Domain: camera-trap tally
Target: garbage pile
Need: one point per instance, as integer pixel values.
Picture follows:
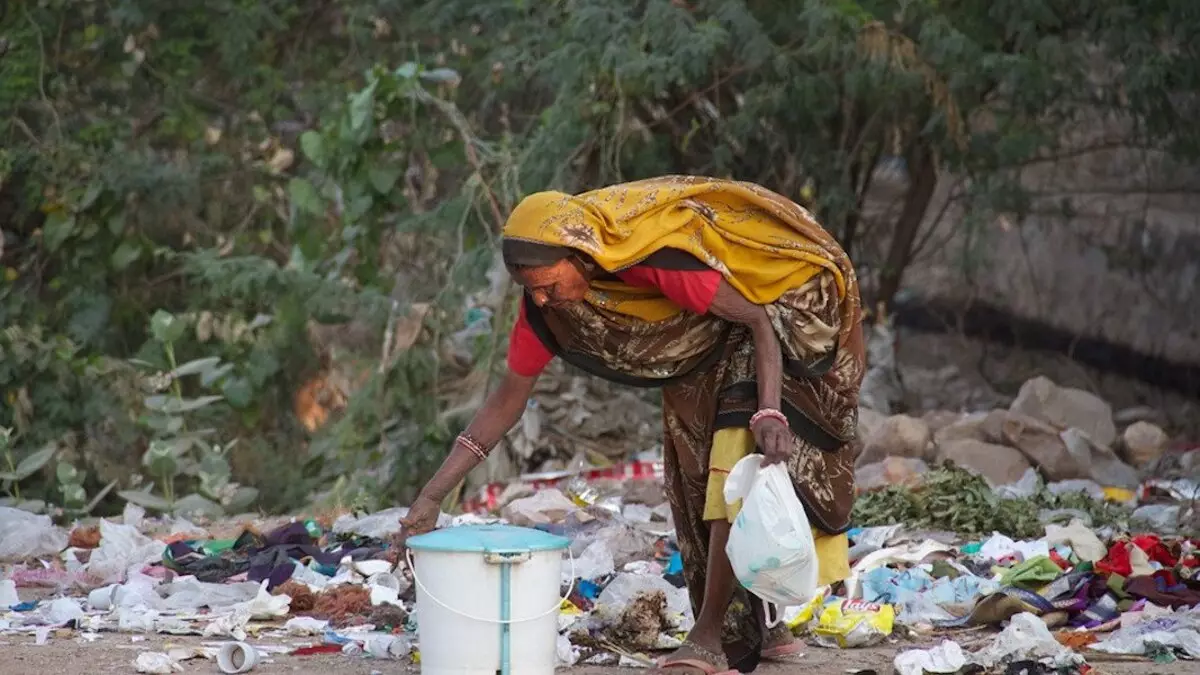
(1022, 540)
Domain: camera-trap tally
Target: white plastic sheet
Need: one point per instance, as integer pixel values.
(771, 547)
(28, 535)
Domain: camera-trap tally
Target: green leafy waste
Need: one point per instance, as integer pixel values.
(956, 500)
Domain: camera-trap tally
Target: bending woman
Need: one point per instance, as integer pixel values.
(746, 312)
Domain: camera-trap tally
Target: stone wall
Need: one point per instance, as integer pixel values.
(1123, 266)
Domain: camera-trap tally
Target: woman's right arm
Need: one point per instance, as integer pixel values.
(500, 412)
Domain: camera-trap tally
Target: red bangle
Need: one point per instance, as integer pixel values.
(473, 445)
(768, 413)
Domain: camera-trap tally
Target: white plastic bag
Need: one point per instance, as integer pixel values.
(771, 545)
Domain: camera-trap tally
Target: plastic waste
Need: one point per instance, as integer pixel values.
(135, 619)
(156, 663)
(1023, 488)
(622, 590)
(121, 547)
(264, 606)
(190, 594)
(302, 626)
(854, 623)
(27, 535)
(1178, 630)
(237, 657)
(867, 540)
(947, 657)
(387, 646)
(567, 653)
(595, 562)
(133, 515)
(60, 611)
(770, 547)
(1000, 547)
(8, 594)
(1161, 518)
(379, 525)
(1026, 638)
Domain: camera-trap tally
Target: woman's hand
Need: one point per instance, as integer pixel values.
(775, 440)
(422, 517)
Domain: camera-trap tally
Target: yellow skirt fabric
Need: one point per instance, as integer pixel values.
(731, 445)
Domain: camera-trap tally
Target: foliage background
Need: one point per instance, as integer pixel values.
(307, 193)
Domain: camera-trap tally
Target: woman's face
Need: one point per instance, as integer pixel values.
(554, 285)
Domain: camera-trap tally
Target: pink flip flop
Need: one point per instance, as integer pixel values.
(706, 668)
(783, 651)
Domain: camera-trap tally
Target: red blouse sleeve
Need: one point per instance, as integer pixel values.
(527, 355)
(692, 290)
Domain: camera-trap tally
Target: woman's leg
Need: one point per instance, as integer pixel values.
(718, 589)
(704, 641)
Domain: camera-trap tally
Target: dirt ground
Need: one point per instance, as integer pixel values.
(114, 654)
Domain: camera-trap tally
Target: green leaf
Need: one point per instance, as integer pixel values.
(145, 500)
(313, 146)
(242, 498)
(66, 473)
(238, 392)
(198, 505)
(383, 178)
(362, 110)
(172, 406)
(406, 71)
(89, 196)
(34, 462)
(441, 75)
(304, 197)
(125, 255)
(166, 327)
(197, 366)
(59, 226)
(208, 377)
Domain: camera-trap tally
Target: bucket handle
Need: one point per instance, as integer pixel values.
(431, 596)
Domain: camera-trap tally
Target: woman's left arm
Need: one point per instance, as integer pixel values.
(771, 431)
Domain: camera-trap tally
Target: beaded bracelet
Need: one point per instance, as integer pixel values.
(768, 413)
(473, 445)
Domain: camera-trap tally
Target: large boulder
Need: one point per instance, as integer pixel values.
(891, 471)
(897, 436)
(1102, 463)
(1041, 443)
(1143, 443)
(966, 426)
(999, 464)
(1066, 407)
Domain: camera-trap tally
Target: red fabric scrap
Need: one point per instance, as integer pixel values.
(1117, 560)
(1155, 550)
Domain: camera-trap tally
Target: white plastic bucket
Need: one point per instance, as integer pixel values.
(487, 599)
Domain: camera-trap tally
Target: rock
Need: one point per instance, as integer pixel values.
(1190, 462)
(891, 471)
(966, 426)
(1066, 407)
(1144, 443)
(1102, 464)
(868, 421)
(1127, 416)
(897, 436)
(937, 420)
(1041, 443)
(999, 464)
